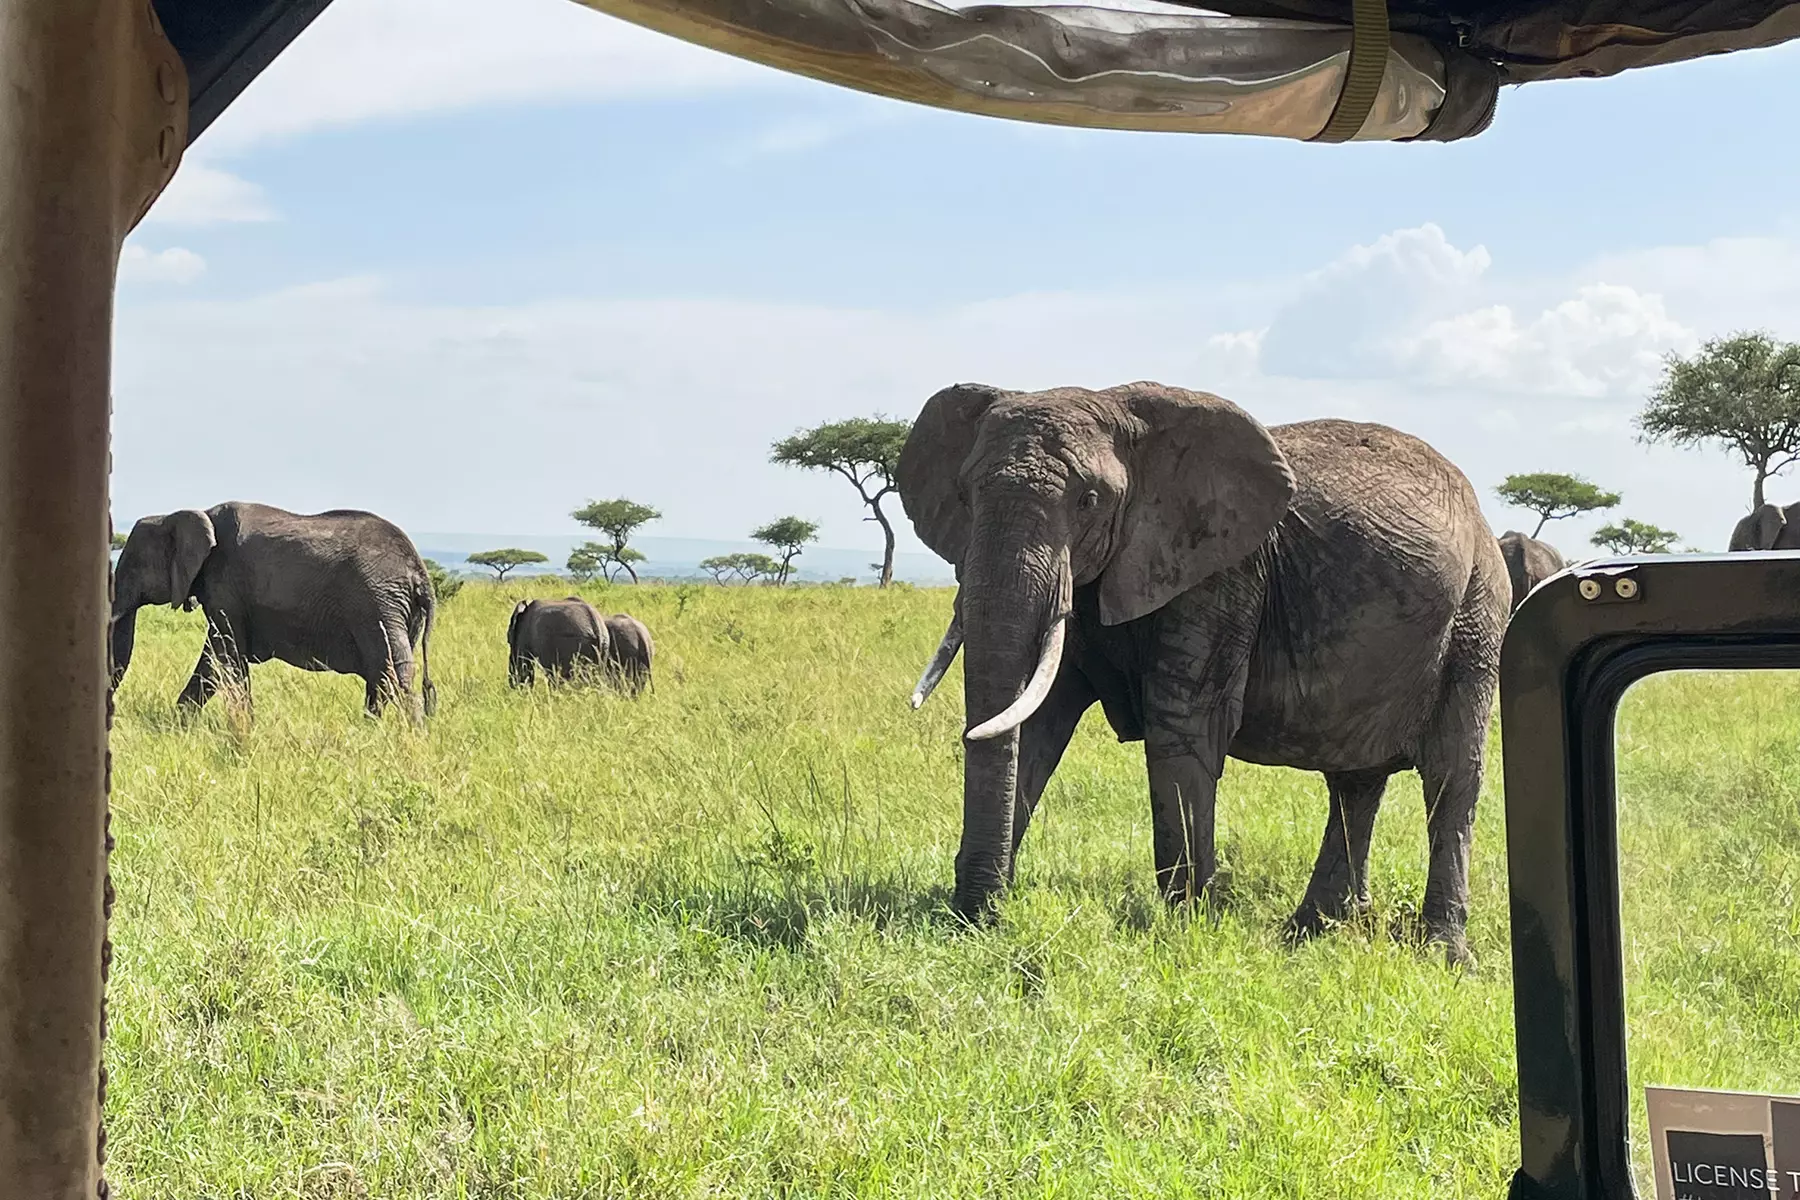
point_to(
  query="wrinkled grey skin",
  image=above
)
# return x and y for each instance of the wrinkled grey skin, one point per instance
(1325, 595)
(1769, 527)
(1528, 562)
(564, 637)
(629, 653)
(340, 591)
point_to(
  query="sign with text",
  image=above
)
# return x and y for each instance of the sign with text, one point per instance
(1724, 1145)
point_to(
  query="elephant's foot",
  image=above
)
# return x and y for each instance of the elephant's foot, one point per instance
(1454, 943)
(1443, 932)
(1313, 918)
(976, 905)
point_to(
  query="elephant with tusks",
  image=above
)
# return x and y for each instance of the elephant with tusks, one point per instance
(1323, 595)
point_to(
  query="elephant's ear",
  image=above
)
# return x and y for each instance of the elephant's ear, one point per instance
(191, 539)
(928, 472)
(1205, 484)
(1759, 529)
(512, 626)
(1770, 520)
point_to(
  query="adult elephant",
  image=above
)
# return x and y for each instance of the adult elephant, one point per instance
(1528, 562)
(1769, 527)
(629, 653)
(340, 591)
(1324, 595)
(564, 637)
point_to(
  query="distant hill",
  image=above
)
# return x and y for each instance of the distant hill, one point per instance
(676, 558)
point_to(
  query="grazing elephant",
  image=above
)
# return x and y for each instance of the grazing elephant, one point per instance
(629, 652)
(1324, 595)
(1770, 527)
(564, 637)
(1528, 562)
(340, 591)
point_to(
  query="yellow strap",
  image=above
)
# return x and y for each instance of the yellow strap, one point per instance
(1364, 72)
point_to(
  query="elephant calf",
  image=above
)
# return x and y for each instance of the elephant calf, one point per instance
(1528, 563)
(629, 651)
(340, 591)
(569, 636)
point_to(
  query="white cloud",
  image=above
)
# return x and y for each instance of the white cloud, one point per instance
(174, 265)
(201, 194)
(1411, 306)
(1607, 340)
(1343, 322)
(370, 59)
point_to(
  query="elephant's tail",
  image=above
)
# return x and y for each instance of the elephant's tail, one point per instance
(427, 689)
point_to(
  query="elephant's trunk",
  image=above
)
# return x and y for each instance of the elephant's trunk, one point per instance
(1049, 661)
(124, 636)
(1012, 601)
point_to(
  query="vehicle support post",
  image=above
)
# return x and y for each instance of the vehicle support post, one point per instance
(93, 118)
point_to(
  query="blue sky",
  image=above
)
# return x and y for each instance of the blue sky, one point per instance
(471, 262)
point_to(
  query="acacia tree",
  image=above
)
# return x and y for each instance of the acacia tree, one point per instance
(1635, 537)
(618, 520)
(502, 561)
(1742, 392)
(746, 567)
(788, 536)
(1553, 497)
(585, 561)
(863, 450)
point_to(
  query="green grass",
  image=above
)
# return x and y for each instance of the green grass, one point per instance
(563, 944)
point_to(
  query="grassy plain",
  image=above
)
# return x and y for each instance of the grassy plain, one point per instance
(566, 945)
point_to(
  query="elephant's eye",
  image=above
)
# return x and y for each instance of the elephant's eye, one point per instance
(1089, 499)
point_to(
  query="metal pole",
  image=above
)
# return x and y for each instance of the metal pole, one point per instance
(93, 113)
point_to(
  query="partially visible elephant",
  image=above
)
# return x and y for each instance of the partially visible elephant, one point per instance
(340, 591)
(1769, 527)
(564, 637)
(1528, 562)
(1324, 595)
(629, 653)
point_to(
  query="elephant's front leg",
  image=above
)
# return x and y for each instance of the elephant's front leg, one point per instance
(222, 668)
(1193, 704)
(203, 682)
(1042, 740)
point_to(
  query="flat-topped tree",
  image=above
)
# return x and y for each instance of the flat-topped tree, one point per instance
(747, 568)
(1741, 392)
(788, 536)
(1635, 537)
(1552, 496)
(502, 561)
(863, 450)
(617, 520)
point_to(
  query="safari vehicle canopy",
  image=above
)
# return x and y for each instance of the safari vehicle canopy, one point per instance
(98, 98)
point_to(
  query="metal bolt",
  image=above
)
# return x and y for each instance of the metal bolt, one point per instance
(1626, 588)
(1590, 589)
(165, 146)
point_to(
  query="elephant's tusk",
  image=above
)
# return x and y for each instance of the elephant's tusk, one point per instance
(1020, 710)
(1044, 677)
(940, 662)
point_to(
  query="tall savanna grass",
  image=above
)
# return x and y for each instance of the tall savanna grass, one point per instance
(562, 944)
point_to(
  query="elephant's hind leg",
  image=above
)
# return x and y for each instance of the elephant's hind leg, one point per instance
(1340, 878)
(386, 671)
(1450, 761)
